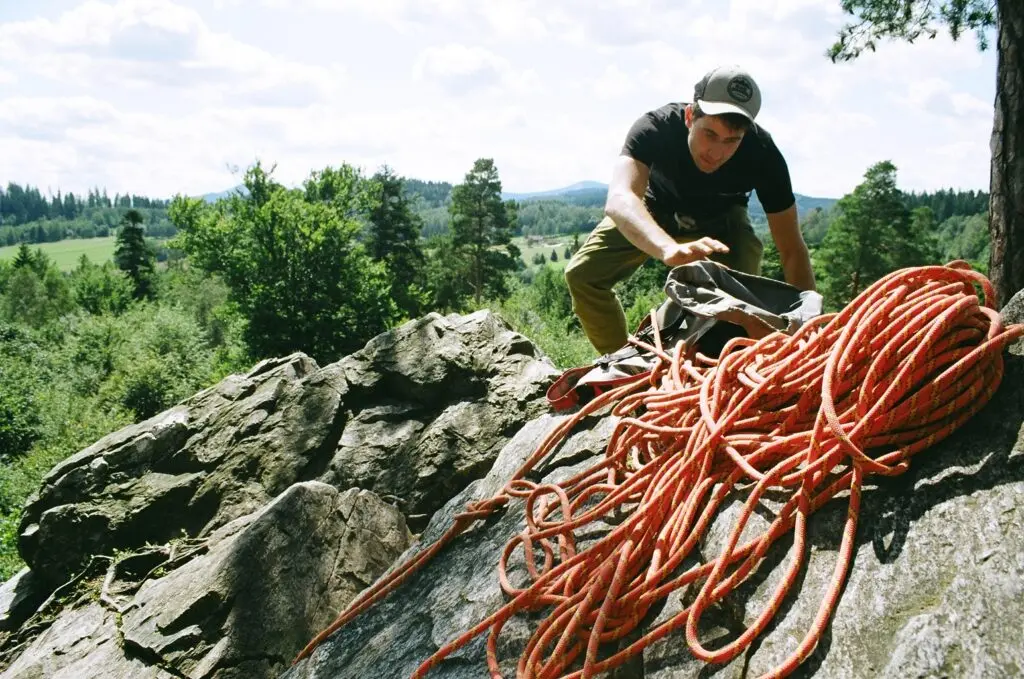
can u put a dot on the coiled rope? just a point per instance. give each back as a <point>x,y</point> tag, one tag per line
<point>806,416</point>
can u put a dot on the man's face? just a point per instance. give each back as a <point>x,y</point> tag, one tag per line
<point>711,141</point>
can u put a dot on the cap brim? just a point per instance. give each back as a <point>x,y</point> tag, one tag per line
<point>717,108</point>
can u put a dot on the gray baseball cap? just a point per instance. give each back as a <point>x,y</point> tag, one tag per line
<point>728,89</point>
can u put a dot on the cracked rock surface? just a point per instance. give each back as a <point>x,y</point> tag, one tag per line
<point>251,594</point>
<point>414,416</point>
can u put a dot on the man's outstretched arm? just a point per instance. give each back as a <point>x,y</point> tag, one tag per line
<point>625,206</point>
<point>796,260</point>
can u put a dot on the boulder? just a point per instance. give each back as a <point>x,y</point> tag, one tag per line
<point>19,598</point>
<point>236,605</point>
<point>414,416</point>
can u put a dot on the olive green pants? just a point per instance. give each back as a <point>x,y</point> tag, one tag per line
<point>607,257</point>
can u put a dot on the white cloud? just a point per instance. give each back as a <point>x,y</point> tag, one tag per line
<point>161,96</point>
<point>459,69</point>
<point>147,44</point>
<point>49,118</point>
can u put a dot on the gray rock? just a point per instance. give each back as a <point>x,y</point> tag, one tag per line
<point>82,642</point>
<point>414,416</point>
<point>431,405</point>
<point>19,598</point>
<point>245,603</point>
<point>187,470</point>
<point>935,588</point>
<point>1013,312</point>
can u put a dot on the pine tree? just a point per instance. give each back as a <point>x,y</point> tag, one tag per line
<point>482,227</point>
<point>24,257</point>
<point>868,238</point>
<point>395,240</point>
<point>133,255</point>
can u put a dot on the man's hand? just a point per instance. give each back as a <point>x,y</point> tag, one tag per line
<point>678,254</point>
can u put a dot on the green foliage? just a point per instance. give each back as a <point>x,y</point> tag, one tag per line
<point>19,416</point>
<point>100,288</point>
<point>293,261</point>
<point>540,308</point>
<point>946,203</point>
<point>871,235</point>
<point>394,239</point>
<point>909,20</point>
<point>26,216</point>
<point>552,217</point>
<point>134,256</point>
<point>24,257</point>
<point>771,261</point>
<point>426,194</point>
<point>966,238</point>
<point>482,226</point>
<point>814,226</point>
<point>35,293</point>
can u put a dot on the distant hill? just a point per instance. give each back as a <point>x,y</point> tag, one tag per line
<point>584,187</point>
<point>214,197</point>
<point>593,194</point>
<point>433,194</point>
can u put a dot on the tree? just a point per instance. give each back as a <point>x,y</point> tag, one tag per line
<point>134,256</point>
<point>24,257</point>
<point>871,235</point>
<point>815,226</point>
<point>100,288</point>
<point>34,299</point>
<point>395,240</point>
<point>911,19</point>
<point>482,227</point>
<point>293,262</point>
<point>771,262</point>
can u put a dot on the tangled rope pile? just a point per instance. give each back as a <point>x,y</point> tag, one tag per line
<point>807,416</point>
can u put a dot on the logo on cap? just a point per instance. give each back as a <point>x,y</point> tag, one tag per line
<point>740,88</point>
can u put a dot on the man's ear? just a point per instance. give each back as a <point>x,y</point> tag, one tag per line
<point>688,115</point>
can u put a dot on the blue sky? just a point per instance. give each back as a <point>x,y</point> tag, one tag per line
<point>158,97</point>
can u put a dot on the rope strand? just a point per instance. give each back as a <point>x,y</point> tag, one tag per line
<point>808,417</point>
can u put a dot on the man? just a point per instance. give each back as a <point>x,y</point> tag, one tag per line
<point>679,192</point>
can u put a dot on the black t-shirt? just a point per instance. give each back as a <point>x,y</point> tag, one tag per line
<point>677,186</point>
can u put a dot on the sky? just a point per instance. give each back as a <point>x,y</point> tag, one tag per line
<point>160,97</point>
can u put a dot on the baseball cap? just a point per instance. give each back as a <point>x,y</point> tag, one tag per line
<point>728,89</point>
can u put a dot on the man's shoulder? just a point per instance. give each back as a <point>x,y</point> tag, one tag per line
<point>672,112</point>
<point>760,137</point>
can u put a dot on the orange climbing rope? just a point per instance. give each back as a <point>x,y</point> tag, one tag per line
<point>806,417</point>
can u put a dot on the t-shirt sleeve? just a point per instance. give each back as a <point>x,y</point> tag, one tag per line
<point>774,186</point>
<point>641,141</point>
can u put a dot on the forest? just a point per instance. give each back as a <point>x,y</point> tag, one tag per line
<point>325,266</point>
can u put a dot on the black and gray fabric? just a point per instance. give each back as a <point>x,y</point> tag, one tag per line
<point>706,305</point>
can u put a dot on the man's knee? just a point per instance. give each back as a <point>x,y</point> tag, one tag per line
<point>579,274</point>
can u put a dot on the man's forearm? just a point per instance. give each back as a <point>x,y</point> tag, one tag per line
<point>634,221</point>
<point>796,266</point>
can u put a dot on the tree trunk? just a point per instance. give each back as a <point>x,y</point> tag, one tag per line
<point>1006,202</point>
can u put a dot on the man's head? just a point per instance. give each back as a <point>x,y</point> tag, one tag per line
<point>725,102</point>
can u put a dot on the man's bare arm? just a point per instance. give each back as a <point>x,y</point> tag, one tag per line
<point>796,260</point>
<point>625,206</point>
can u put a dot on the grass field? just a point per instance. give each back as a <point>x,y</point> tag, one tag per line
<point>65,253</point>
<point>544,246</point>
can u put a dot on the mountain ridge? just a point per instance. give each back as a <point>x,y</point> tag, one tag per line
<point>585,192</point>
